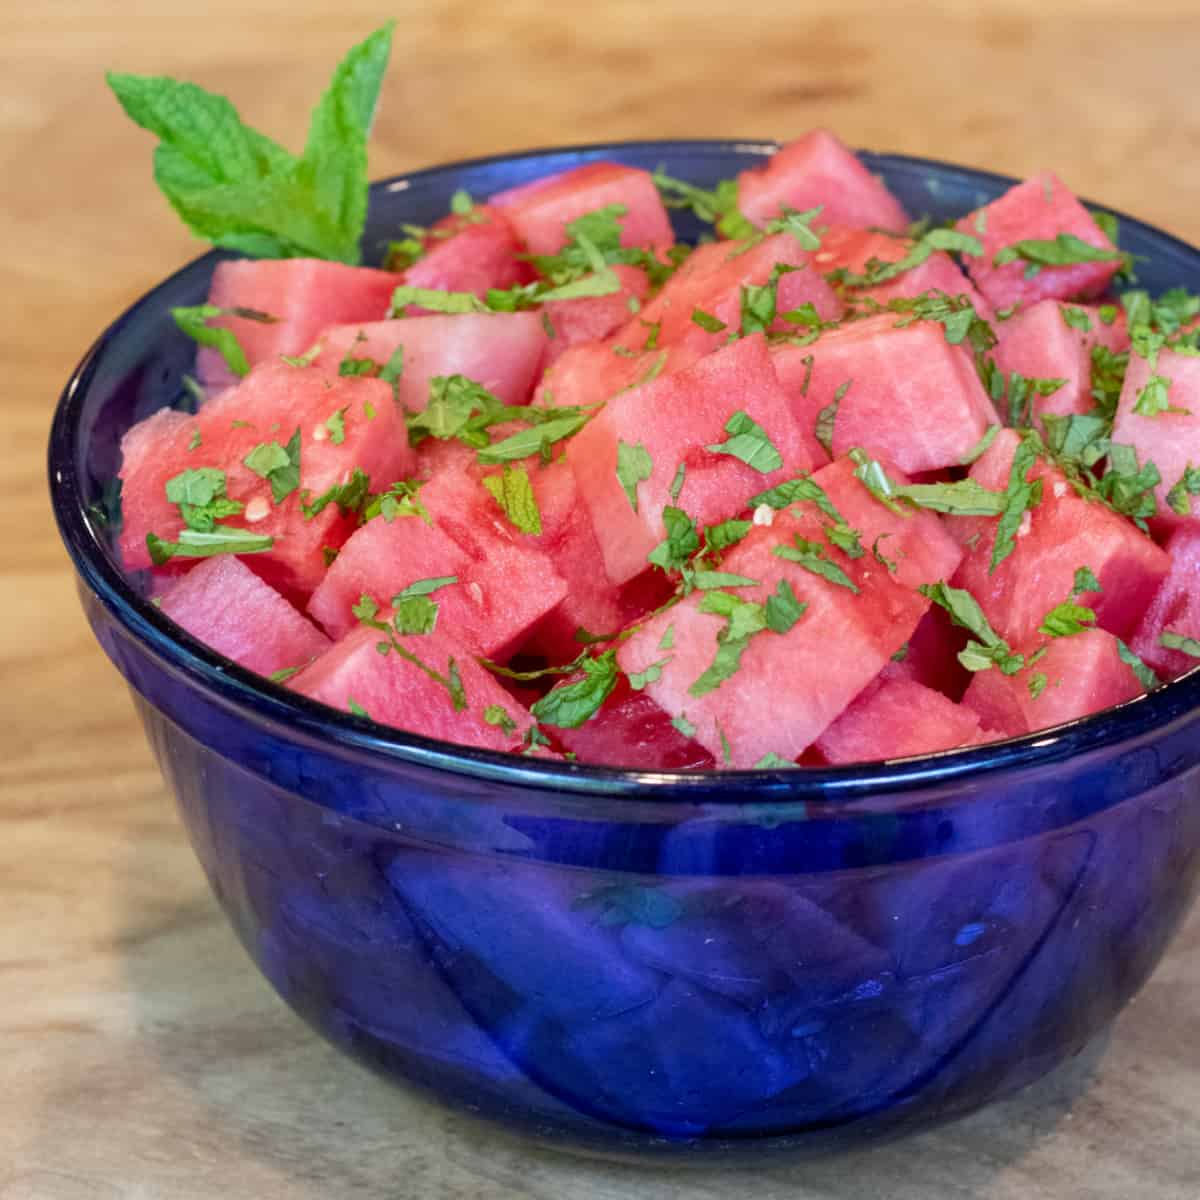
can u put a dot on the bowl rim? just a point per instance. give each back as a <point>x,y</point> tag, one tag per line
<point>236,687</point>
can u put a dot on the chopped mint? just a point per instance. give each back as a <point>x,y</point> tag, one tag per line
<point>707,321</point>
<point>194,322</point>
<point>200,494</point>
<point>349,496</point>
<point>638,680</point>
<point>981,447</point>
<point>988,648</point>
<point>1076,318</point>
<point>1085,581</point>
<point>811,556</point>
<point>725,534</point>
<point>1187,485</point>
<point>667,641</point>
<point>771,760</point>
<point>681,542</point>
<point>513,492</point>
<point>1037,684</point>
<point>707,580</point>
<point>569,705</point>
<point>1063,250</point>
<point>743,619</point>
<point>1067,619</point>
<point>197,543</point>
<point>497,715</point>
<point>634,466</point>
<point>717,207</point>
<point>1154,398</point>
<point>1145,676</point>
<point>1019,497</point>
<point>677,483</point>
<point>827,418</point>
<point>335,426</point>
<point>357,709</point>
<point>783,609</point>
<point>683,725</point>
<point>435,300</point>
<point>748,441</point>
<point>195,440</point>
<point>1178,641</point>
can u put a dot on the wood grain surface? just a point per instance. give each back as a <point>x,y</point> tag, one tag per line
<point>141,1056</point>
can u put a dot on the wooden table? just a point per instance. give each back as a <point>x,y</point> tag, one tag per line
<point>141,1056</point>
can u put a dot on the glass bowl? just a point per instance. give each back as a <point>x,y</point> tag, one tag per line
<point>709,966</point>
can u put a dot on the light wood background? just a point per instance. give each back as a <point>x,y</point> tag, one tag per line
<point>141,1057</point>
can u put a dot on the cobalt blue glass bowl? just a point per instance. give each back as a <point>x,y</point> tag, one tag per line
<point>709,966</point>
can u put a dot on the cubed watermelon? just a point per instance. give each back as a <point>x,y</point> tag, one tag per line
<point>501,351</point>
<point>468,253</point>
<point>226,606</point>
<point>304,295</point>
<point>1040,209</point>
<point>1052,340</point>
<point>675,419</point>
<point>789,687</point>
<point>1078,675</point>
<point>1170,440</point>
<point>591,372</point>
<point>711,282</point>
<point>1175,607</point>
<point>354,675</point>
<point>270,405</point>
<point>540,211</point>
<point>590,318</point>
<point>1057,537</point>
<point>910,396</point>
<point>819,170</point>
<point>631,731</point>
<point>898,718</point>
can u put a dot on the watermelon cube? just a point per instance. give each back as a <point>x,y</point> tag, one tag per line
<point>274,402</point>
<point>898,718</point>
<point>631,731</point>
<point>501,351</point>
<point>590,372</point>
<point>223,604</point>
<point>676,419</point>
<point>1061,534</point>
<point>395,691</point>
<point>1052,340</point>
<point>1170,440</point>
<point>468,253</point>
<point>1040,209</point>
<point>918,543</point>
<point>912,397</point>
<point>789,687</point>
<point>819,170</point>
<point>1175,607</point>
<point>304,295</point>
<point>540,211</point>
<point>590,318</point>
<point>504,584</point>
<point>852,249</point>
<point>712,280</point>
<point>1083,673</point>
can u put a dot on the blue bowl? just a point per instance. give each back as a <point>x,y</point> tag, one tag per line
<point>707,966</point>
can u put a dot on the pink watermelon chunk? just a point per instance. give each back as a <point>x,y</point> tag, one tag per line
<point>1039,209</point>
<point>898,718</point>
<point>919,545</point>
<point>711,281</point>
<point>1084,673</point>
<point>913,398</point>
<point>590,372</point>
<point>540,211</point>
<point>631,731</point>
<point>790,686</point>
<point>819,169</point>
<point>304,295</point>
<point>468,253</point>
<point>1175,607</point>
<point>1039,343</point>
<point>270,404</point>
<point>501,351</point>
<point>1061,534</point>
<point>674,418</point>
<point>396,692</point>
<point>852,249</point>
<point>504,587</point>
<point>590,318</point>
<point>1170,440</point>
<point>225,605</point>
<point>931,656</point>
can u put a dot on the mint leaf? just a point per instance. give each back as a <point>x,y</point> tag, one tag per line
<point>988,649</point>
<point>535,440</point>
<point>243,191</point>
<point>707,580</point>
<point>1085,581</point>
<point>452,401</point>
<point>965,498</point>
<point>1145,676</point>
<point>200,494</point>
<point>1154,398</point>
<point>194,322</point>
<point>349,496</point>
<point>279,465</point>
<point>744,618</point>
<point>877,272</point>
<point>641,679</point>
<point>718,207</point>
<point>435,300</point>
<point>811,556</point>
<point>827,418</point>
<point>1177,641</point>
<point>771,759</point>
<point>707,321</point>
<point>1187,485</point>
<point>196,543</point>
<point>634,465</point>
<point>1127,487</point>
<point>683,725</point>
<point>497,715</point>
<point>1076,318</point>
<point>981,447</point>
<point>569,705</point>
<point>677,483</point>
<point>1064,250</point>
<point>748,441</point>
<point>725,534</point>
<point>357,709</point>
<point>513,492</point>
<point>681,542</point>
<point>1037,684</point>
<point>1067,619</point>
<point>783,609</point>
<point>1019,497</point>
<point>413,611</point>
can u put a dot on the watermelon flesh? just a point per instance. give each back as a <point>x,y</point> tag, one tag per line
<point>675,417</point>
<point>223,604</point>
<point>1039,343</point>
<point>397,692</point>
<point>1040,209</point>
<point>898,718</point>
<point>272,402</point>
<point>789,687</point>
<point>931,656</point>
<point>501,351</point>
<point>590,372</point>
<point>913,398</point>
<point>1170,440</point>
<point>591,318</point>
<point>540,211</point>
<point>1175,607</point>
<point>304,295</point>
<point>1084,673</point>
<point>819,170</point>
<point>711,281</point>
<point>1057,537</point>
